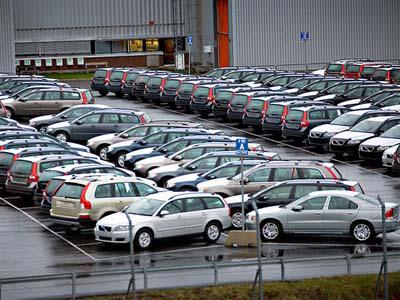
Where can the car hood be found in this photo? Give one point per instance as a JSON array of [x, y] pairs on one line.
[[121, 144], [212, 182], [236, 199], [392, 107], [155, 160], [390, 151], [41, 119], [100, 138], [350, 102], [184, 178], [7, 100], [271, 210], [381, 141], [275, 88], [361, 106], [166, 169], [139, 152], [60, 125], [308, 94], [79, 147], [326, 97], [291, 91], [30, 128], [330, 128], [119, 218], [353, 135], [253, 84]]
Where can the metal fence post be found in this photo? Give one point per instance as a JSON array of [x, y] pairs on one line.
[[215, 274], [283, 275], [145, 278], [348, 260], [73, 285]]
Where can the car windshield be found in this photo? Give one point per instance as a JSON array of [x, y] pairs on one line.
[[377, 96], [186, 88], [6, 159], [275, 110], [279, 81], [251, 77], [154, 81], [215, 73], [155, 138], [337, 89], [145, 207], [350, 68], [298, 84], [348, 119], [100, 74], [131, 77], [393, 133], [379, 75], [366, 126], [334, 67], [234, 75]]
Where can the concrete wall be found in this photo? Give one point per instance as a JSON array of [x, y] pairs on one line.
[[7, 48]]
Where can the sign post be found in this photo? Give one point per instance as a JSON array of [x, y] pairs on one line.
[[304, 37], [242, 148], [190, 43]]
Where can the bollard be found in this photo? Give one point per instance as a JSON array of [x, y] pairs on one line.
[[145, 278], [348, 260], [215, 274], [283, 275]]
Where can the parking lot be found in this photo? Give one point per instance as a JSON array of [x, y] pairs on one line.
[[53, 250]]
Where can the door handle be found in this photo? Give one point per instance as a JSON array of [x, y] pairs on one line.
[[204, 214], [317, 213], [179, 217]]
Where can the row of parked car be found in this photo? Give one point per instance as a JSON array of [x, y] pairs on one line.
[[179, 178]]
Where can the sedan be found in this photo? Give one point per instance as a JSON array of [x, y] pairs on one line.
[[327, 213]]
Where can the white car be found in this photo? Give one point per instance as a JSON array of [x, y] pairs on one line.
[[166, 215], [373, 148], [387, 157]]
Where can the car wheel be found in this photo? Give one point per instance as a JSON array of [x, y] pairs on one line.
[[237, 219], [121, 159], [102, 151], [144, 239], [270, 230], [9, 113], [62, 136], [362, 231], [103, 93], [212, 232]]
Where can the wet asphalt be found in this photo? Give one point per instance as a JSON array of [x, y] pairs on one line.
[[32, 245]]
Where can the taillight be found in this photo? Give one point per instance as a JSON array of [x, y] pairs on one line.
[[389, 214], [2, 147], [194, 89], [107, 78], [304, 122], [263, 114], [162, 85], [142, 119], [85, 204], [226, 205], [210, 96], [123, 78], [33, 177], [284, 114], [84, 98], [145, 86]]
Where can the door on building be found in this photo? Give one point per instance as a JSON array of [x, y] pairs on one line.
[[223, 33]]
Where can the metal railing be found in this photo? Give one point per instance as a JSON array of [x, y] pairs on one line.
[[214, 273]]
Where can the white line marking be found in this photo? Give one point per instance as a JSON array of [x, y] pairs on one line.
[[12, 197], [50, 230], [30, 207], [89, 244]]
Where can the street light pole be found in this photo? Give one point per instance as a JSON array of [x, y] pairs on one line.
[[132, 280]]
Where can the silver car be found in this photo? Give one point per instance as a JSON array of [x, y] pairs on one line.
[[164, 215], [327, 213]]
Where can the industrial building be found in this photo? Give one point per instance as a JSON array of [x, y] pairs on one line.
[[43, 35]]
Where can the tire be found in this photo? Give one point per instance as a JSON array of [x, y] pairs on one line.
[[62, 136], [102, 151], [188, 110], [163, 181], [144, 239], [172, 105], [270, 230], [119, 160], [10, 114], [119, 95], [362, 231], [212, 232], [204, 114], [237, 219], [103, 93]]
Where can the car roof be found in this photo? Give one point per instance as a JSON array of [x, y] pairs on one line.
[[322, 181], [234, 153], [26, 141], [47, 157], [333, 193], [115, 110], [84, 181], [102, 106], [205, 138], [382, 118], [311, 107], [78, 176], [33, 150], [68, 168]]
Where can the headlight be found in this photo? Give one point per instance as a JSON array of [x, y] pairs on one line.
[[353, 142], [122, 228], [382, 148], [170, 184], [329, 134], [151, 175], [49, 129]]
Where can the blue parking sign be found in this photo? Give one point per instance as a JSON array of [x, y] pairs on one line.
[[190, 40], [304, 35], [242, 146]]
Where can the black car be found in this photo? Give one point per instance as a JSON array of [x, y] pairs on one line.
[[284, 193], [131, 76], [140, 82], [117, 79], [224, 97], [172, 147], [300, 120], [313, 89], [339, 88], [155, 86], [117, 152], [100, 80], [169, 92], [185, 91]]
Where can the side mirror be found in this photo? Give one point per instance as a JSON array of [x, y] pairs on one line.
[[78, 122], [192, 167], [63, 117], [246, 180], [22, 99], [178, 158], [344, 95], [164, 213], [211, 177], [124, 136], [297, 208], [141, 142], [163, 150]]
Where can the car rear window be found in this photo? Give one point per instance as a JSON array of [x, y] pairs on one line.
[[353, 68], [70, 190], [47, 175], [368, 71], [155, 81], [334, 68], [201, 92], [116, 75], [379, 75], [142, 79], [224, 95], [89, 96], [275, 110], [71, 96], [186, 88], [21, 167], [213, 202], [6, 159], [239, 99], [294, 115], [53, 185], [171, 84], [100, 74], [131, 77], [255, 105]]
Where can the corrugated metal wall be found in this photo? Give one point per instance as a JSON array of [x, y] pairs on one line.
[[52, 20], [267, 32], [7, 50]]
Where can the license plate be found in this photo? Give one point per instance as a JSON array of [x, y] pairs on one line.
[[19, 179], [292, 126], [62, 204]]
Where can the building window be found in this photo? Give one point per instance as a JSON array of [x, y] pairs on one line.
[[136, 46], [152, 45], [119, 46]]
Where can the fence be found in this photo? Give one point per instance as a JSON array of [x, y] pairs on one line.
[[80, 284]]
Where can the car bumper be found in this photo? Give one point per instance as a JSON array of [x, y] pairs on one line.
[[114, 89], [127, 90], [201, 107], [302, 133], [137, 93], [182, 102], [167, 98], [111, 237], [272, 127], [375, 155], [20, 189], [73, 222], [252, 121], [318, 141], [152, 96], [344, 149], [232, 115], [99, 87], [220, 111]]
